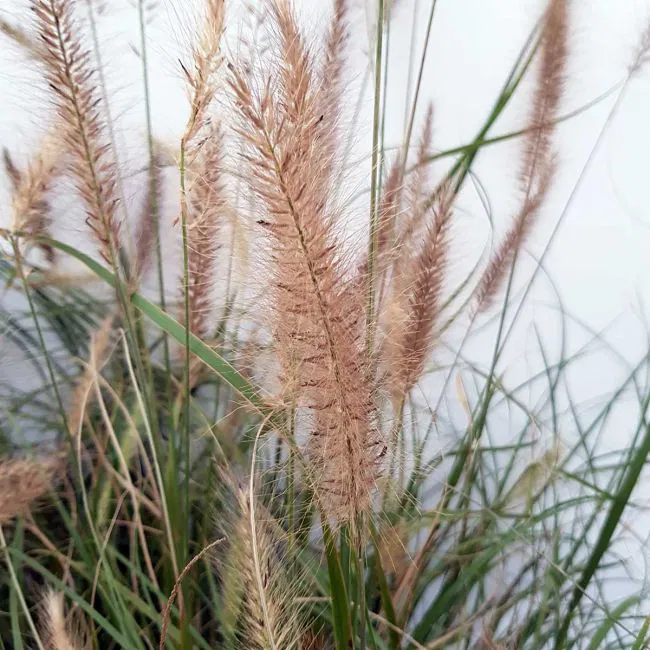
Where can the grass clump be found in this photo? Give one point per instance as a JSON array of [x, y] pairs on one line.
[[246, 462]]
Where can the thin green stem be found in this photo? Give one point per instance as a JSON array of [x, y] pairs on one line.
[[409, 81], [186, 312], [19, 591], [153, 195], [418, 86], [373, 235], [361, 582], [39, 335], [382, 156]]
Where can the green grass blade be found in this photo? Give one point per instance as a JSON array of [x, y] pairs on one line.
[[172, 327], [640, 642], [339, 596], [601, 633], [89, 610], [16, 632], [614, 515], [386, 599]]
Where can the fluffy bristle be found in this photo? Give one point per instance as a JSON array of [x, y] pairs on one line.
[[205, 62], [22, 483], [417, 302], [496, 272], [548, 92], [397, 228], [58, 635], [202, 197], [146, 228], [72, 79], [334, 61], [318, 320], [206, 198], [538, 165], [31, 211], [331, 81], [261, 610], [418, 185], [388, 213]]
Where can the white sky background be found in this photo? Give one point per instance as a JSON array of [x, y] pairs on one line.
[[600, 259]]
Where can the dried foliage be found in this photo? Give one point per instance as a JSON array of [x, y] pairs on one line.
[[388, 222], [418, 186], [206, 61], [146, 227], [23, 482], [205, 216], [260, 598], [202, 198], [330, 75]]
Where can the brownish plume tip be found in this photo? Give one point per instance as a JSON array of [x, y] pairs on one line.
[[538, 165], [317, 320], [71, 77], [23, 482]]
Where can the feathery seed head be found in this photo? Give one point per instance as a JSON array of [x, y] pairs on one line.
[[30, 206], [71, 77], [57, 632], [318, 320], [538, 163], [23, 482]]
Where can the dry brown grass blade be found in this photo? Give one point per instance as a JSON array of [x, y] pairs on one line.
[[538, 165], [408, 577], [166, 614], [317, 319], [73, 82], [23, 482]]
